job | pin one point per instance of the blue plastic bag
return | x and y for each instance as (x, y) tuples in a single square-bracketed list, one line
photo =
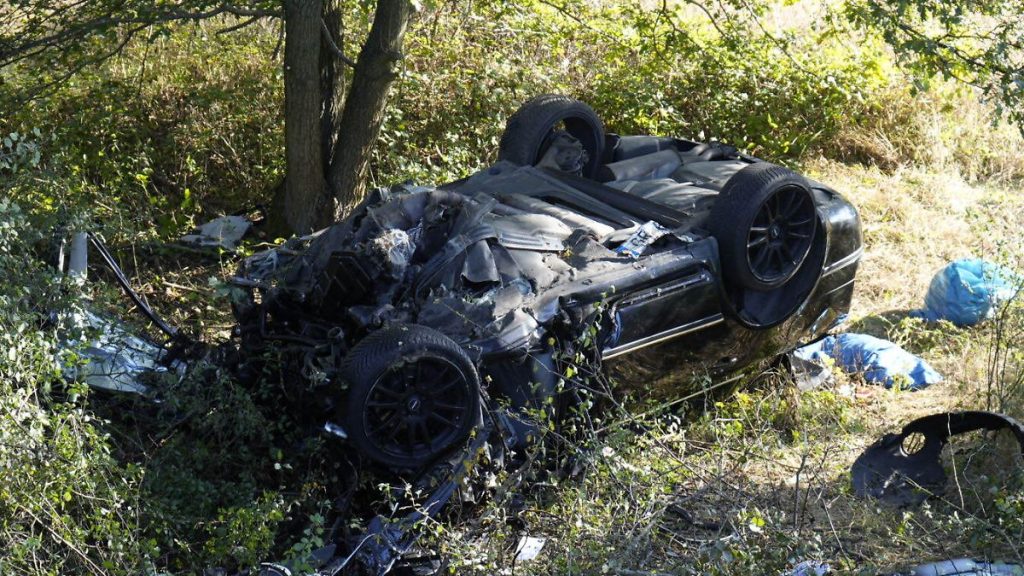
[(881, 361), (967, 291)]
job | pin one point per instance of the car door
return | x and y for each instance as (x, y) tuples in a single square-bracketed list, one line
[(674, 329)]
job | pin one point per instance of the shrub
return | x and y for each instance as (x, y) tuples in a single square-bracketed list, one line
[(67, 503)]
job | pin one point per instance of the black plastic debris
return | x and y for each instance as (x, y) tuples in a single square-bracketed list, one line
[(906, 473)]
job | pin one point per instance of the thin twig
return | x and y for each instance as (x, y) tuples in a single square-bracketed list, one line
[(326, 33)]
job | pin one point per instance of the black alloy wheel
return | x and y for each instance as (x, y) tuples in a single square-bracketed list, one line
[(765, 222), (413, 394), (780, 235), (417, 407)]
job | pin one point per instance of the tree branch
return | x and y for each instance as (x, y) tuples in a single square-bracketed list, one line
[(85, 29), (82, 65), (333, 47), (239, 25)]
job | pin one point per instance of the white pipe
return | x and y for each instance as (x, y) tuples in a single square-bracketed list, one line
[(78, 263)]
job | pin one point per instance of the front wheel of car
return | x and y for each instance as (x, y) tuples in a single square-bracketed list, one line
[(765, 223), (413, 395)]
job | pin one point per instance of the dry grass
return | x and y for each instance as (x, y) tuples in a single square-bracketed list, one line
[(948, 130)]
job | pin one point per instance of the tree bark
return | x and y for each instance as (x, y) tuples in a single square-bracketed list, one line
[(332, 79), (366, 102), (306, 205)]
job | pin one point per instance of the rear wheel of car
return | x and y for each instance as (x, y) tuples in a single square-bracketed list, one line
[(413, 395), (530, 131), (765, 223)]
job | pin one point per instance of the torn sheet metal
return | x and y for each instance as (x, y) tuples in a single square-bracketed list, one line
[(966, 567), (116, 360), (102, 352), (224, 232), (906, 475), (810, 568)]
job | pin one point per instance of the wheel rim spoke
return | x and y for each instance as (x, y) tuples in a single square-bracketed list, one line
[(388, 392), (439, 418), (781, 233), (391, 425), (776, 258), (793, 202), (761, 258), (424, 433), (410, 436), (447, 386), (786, 256), (417, 408)]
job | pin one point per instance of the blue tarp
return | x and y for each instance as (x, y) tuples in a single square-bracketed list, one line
[(967, 291), (881, 361)]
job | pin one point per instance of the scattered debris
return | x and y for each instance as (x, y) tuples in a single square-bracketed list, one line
[(904, 469), (809, 375), (529, 548), (78, 258), (386, 541), (966, 567), (126, 287), (968, 291), (880, 361), (645, 235), (225, 232), (115, 359), (810, 568)]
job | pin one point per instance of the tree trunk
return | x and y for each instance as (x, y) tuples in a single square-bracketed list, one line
[(306, 204), (332, 80), (366, 102)]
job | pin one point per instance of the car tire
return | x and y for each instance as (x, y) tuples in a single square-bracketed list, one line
[(528, 132), (413, 394), (765, 223)]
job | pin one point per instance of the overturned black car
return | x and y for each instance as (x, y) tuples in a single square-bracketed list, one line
[(682, 265)]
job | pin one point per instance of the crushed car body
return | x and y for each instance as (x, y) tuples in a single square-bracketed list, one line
[(677, 262)]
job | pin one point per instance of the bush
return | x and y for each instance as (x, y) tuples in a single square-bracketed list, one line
[(150, 139), (67, 503)]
